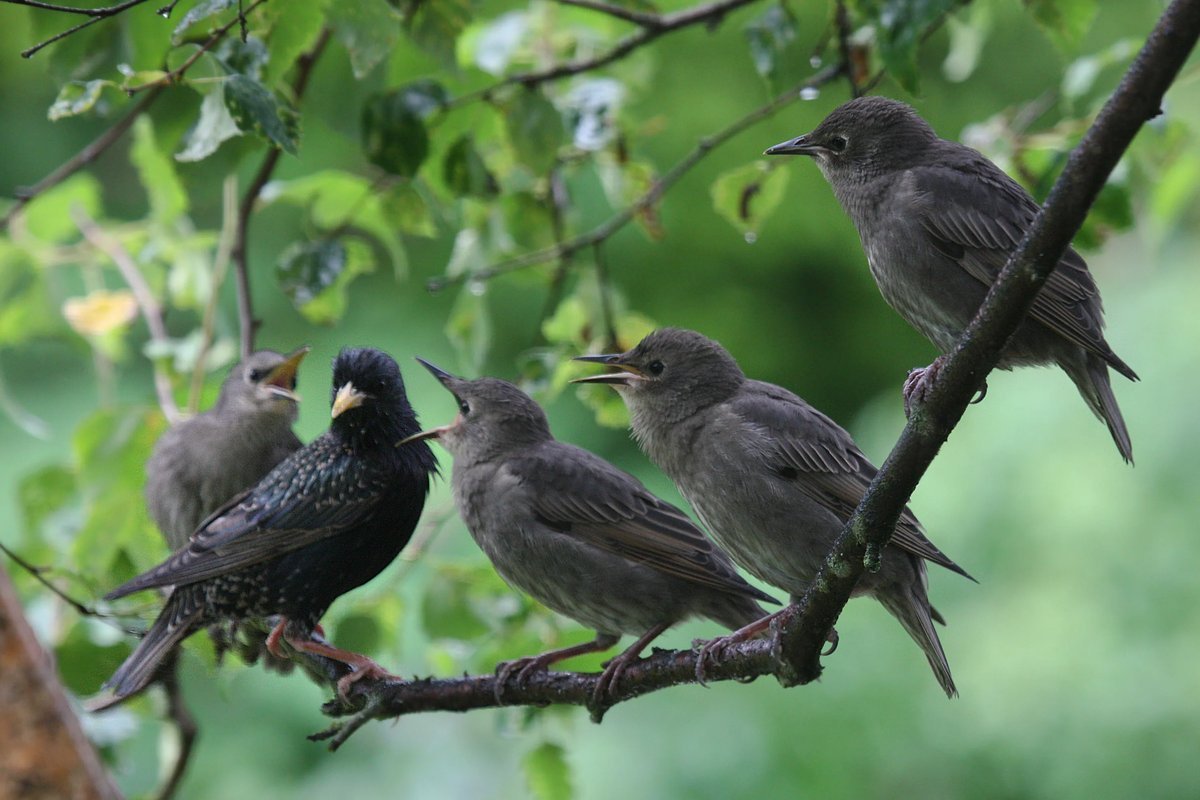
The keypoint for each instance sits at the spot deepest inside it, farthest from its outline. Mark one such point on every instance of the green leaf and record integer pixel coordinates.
(464, 172)
(469, 327)
(369, 29)
(900, 24)
(239, 57)
(535, 130)
(26, 311)
(214, 126)
(448, 608)
(168, 200)
(294, 28)
(255, 110)
(82, 664)
(748, 195)
(316, 276)
(201, 11)
(48, 215)
(769, 35)
(359, 633)
(76, 97)
(491, 45)
(436, 26)
(42, 494)
(404, 206)
(394, 137)
(547, 772)
(1064, 21)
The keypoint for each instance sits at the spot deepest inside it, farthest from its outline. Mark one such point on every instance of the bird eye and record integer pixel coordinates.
(257, 375)
(655, 368)
(464, 407)
(837, 143)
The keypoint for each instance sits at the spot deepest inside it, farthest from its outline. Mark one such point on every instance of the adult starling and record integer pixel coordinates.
(200, 463)
(327, 519)
(579, 535)
(938, 221)
(773, 479)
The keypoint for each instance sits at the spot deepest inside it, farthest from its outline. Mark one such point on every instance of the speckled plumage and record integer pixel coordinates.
(327, 519)
(773, 479)
(200, 463)
(571, 530)
(938, 221)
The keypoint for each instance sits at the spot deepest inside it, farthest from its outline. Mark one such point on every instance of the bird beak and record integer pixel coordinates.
(280, 380)
(432, 433)
(629, 374)
(800, 146)
(347, 398)
(439, 373)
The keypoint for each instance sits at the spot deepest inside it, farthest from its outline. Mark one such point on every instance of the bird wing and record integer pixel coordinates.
(821, 460)
(579, 494)
(983, 225)
(318, 492)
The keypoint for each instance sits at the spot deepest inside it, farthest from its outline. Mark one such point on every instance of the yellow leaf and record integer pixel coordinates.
(100, 312)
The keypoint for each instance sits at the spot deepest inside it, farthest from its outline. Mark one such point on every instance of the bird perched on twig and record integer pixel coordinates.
(578, 534)
(938, 221)
(327, 519)
(198, 464)
(773, 479)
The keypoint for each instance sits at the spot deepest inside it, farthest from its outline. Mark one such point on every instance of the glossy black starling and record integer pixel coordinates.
(773, 479)
(327, 519)
(938, 221)
(200, 463)
(578, 534)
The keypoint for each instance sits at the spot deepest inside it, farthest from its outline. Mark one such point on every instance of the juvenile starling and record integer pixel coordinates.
(327, 519)
(773, 479)
(938, 221)
(579, 535)
(200, 463)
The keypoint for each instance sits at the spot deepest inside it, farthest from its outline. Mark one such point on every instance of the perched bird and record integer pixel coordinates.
(773, 479)
(200, 463)
(327, 519)
(938, 221)
(578, 534)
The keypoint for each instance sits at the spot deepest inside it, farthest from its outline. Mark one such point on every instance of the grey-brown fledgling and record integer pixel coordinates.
(773, 479)
(200, 463)
(578, 534)
(938, 221)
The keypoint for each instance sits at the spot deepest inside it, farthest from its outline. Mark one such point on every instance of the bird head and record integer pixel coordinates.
(863, 138)
(671, 374)
(494, 417)
(369, 402)
(264, 383)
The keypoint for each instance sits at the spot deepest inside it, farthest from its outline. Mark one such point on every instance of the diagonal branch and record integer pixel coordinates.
(1135, 101)
(569, 247)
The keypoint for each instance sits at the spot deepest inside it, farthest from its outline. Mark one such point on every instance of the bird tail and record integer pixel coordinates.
(910, 605)
(1091, 378)
(181, 617)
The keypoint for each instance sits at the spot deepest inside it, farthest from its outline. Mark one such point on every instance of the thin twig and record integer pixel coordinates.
(185, 724)
(649, 198)
(80, 607)
(558, 202)
(175, 75)
(647, 19)
(147, 303)
(94, 15)
(247, 324)
(652, 27)
(605, 291)
(80, 160)
(219, 269)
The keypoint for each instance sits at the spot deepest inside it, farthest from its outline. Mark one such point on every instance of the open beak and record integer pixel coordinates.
(432, 433)
(347, 398)
(281, 381)
(628, 375)
(800, 146)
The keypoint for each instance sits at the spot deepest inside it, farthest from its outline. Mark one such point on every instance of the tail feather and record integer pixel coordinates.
(179, 619)
(1092, 380)
(911, 607)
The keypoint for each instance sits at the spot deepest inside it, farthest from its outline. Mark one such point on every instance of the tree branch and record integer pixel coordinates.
(1135, 101)
(94, 15)
(150, 308)
(647, 19)
(247, 323)
(652, 195)
(80, 160)
(652, 27)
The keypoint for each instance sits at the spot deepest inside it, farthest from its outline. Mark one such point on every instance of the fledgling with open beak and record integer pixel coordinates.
(938, 221)
(324, 521)
(773, 479)
(577, 534)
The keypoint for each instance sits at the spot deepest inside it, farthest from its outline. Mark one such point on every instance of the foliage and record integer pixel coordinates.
(425, 151)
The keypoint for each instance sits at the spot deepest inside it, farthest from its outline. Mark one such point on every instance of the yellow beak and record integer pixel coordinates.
(347, 398)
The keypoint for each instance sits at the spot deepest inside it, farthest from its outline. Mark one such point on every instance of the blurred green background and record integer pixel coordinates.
(1075, 655)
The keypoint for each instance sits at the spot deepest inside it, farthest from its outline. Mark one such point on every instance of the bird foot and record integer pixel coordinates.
(918, 383)
(714, 649)
(831, 639)
(524, 668)
(614, 668)
(361, 669)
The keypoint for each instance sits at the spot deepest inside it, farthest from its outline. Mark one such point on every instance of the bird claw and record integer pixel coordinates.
(711, 651)
(367, 669)
(614, 668)
(982, 393)
(832, 640)
(918, 383)
(524, 667)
